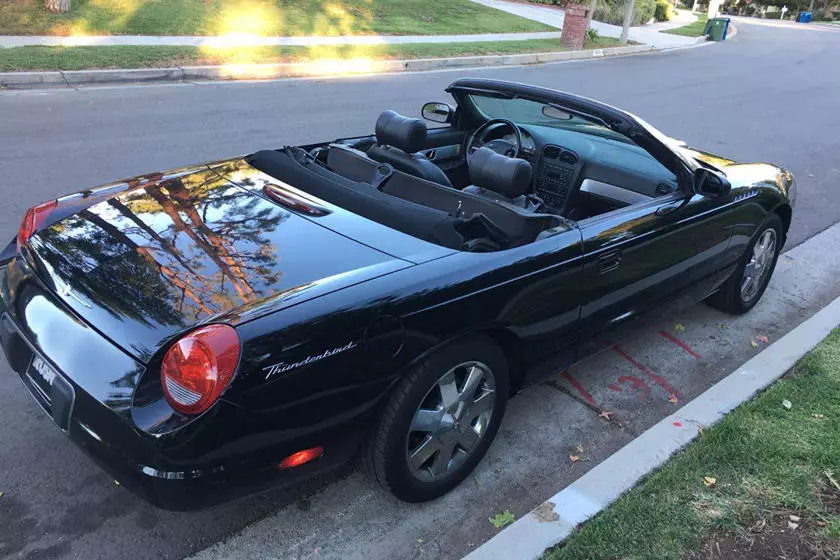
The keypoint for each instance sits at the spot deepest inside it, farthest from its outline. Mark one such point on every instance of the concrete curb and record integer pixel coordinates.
(29, 80)
(553, 521)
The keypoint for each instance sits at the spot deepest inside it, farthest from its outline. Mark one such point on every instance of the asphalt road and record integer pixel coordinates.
(768, 95)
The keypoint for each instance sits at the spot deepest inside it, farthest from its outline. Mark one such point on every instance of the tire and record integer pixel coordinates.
(731, 297)
(418, 400)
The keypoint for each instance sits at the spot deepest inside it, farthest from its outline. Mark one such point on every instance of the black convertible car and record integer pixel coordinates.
(215, 329)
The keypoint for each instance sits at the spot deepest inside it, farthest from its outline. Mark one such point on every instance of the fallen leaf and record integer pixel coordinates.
(723, 325)
(606, 415)
(116, 483)
(574, 458)
(709, 481)
(2, 494)
(579, 448)
(793, 526)
(762, 338)
(819, 415)
(701, 430)
(754, 343)
(672, 398)
(820, 523)
(787, 404)
(679, 327)
(794, 518)
(420, 540)
(501, 519)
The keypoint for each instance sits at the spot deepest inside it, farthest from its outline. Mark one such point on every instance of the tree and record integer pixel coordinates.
(628, 18)
(57, 5)
(592, 5)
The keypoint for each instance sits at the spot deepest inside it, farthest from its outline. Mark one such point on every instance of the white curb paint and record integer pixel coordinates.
(553, 521)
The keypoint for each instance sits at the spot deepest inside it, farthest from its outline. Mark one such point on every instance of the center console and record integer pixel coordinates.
(558, 173)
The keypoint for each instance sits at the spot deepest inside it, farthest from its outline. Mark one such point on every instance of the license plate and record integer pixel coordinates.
(51, 390)
(42, 376)
(43, 370)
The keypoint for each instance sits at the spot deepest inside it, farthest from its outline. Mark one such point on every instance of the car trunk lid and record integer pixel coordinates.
(190, 248)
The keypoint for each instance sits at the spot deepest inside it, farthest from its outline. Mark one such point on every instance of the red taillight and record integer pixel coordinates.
(32, 220)
(301, 457)
(198, 368)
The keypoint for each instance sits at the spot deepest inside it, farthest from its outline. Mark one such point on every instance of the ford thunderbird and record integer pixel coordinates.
(217, 329)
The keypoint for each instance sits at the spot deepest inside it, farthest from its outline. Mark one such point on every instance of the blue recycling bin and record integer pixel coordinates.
(805, 17)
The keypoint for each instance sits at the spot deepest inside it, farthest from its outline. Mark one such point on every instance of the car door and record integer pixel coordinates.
(639, 256)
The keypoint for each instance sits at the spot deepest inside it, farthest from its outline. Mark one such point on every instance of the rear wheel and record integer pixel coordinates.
(745, 287)
(440, 420)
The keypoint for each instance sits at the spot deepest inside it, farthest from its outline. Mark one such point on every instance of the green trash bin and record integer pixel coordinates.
(716, 29)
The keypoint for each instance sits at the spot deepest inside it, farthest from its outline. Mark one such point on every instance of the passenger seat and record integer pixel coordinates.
(502, 179)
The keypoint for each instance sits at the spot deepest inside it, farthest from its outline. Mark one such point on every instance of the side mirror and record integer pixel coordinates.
(710, 184)
(438, 112)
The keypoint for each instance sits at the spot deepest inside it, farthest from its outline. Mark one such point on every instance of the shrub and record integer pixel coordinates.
(612, 11)
(663, 10)
(591, 34)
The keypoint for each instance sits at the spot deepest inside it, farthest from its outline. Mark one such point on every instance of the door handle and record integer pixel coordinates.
(609, 261)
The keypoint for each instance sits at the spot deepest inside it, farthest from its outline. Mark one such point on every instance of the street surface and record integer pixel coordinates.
(770, 94)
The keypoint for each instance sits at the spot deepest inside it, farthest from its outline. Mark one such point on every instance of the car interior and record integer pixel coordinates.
(486, 186)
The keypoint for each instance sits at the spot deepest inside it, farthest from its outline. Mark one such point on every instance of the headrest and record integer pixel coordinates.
(510, 177)
(404, 133)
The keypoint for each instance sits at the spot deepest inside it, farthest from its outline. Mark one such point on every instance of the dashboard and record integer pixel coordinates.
(566, 158)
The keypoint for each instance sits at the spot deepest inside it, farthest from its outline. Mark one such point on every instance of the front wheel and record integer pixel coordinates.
(440, 420)
(745, 287)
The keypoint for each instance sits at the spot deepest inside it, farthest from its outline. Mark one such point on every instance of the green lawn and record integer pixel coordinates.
(692, 29)
(262, 17)
(78, 58)
(771, 466)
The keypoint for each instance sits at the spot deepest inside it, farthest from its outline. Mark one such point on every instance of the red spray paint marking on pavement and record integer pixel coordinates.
(576, 384)
(678, 424)
(635, 384)
(659, 380)
(614, 387)
(680, 343)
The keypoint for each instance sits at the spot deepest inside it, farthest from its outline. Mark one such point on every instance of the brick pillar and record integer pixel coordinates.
(574, 26)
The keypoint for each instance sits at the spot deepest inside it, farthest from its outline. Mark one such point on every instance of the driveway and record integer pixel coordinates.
(769, 94)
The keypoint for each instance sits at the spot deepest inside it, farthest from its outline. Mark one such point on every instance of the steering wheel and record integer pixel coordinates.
(503, 147)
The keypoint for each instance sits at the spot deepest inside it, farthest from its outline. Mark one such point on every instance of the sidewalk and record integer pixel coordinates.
(246, 40)
(647, 34)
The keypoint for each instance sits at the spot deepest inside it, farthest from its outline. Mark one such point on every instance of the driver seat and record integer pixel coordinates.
(398, 141)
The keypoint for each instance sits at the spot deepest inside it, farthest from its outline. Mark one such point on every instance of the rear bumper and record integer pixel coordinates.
(226, 453)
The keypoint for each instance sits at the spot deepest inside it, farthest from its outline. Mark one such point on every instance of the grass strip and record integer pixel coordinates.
(760, 484)
(260, 17)
(695, 29)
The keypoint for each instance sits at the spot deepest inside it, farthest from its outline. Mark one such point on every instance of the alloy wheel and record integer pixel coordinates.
(759, 265)
(450, 421)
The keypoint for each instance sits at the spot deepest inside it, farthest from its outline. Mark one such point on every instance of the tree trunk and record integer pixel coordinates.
(57, 5)
(592, 5)
(628, 19)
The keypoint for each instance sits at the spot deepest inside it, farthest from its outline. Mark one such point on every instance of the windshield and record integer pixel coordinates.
(525, 111)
